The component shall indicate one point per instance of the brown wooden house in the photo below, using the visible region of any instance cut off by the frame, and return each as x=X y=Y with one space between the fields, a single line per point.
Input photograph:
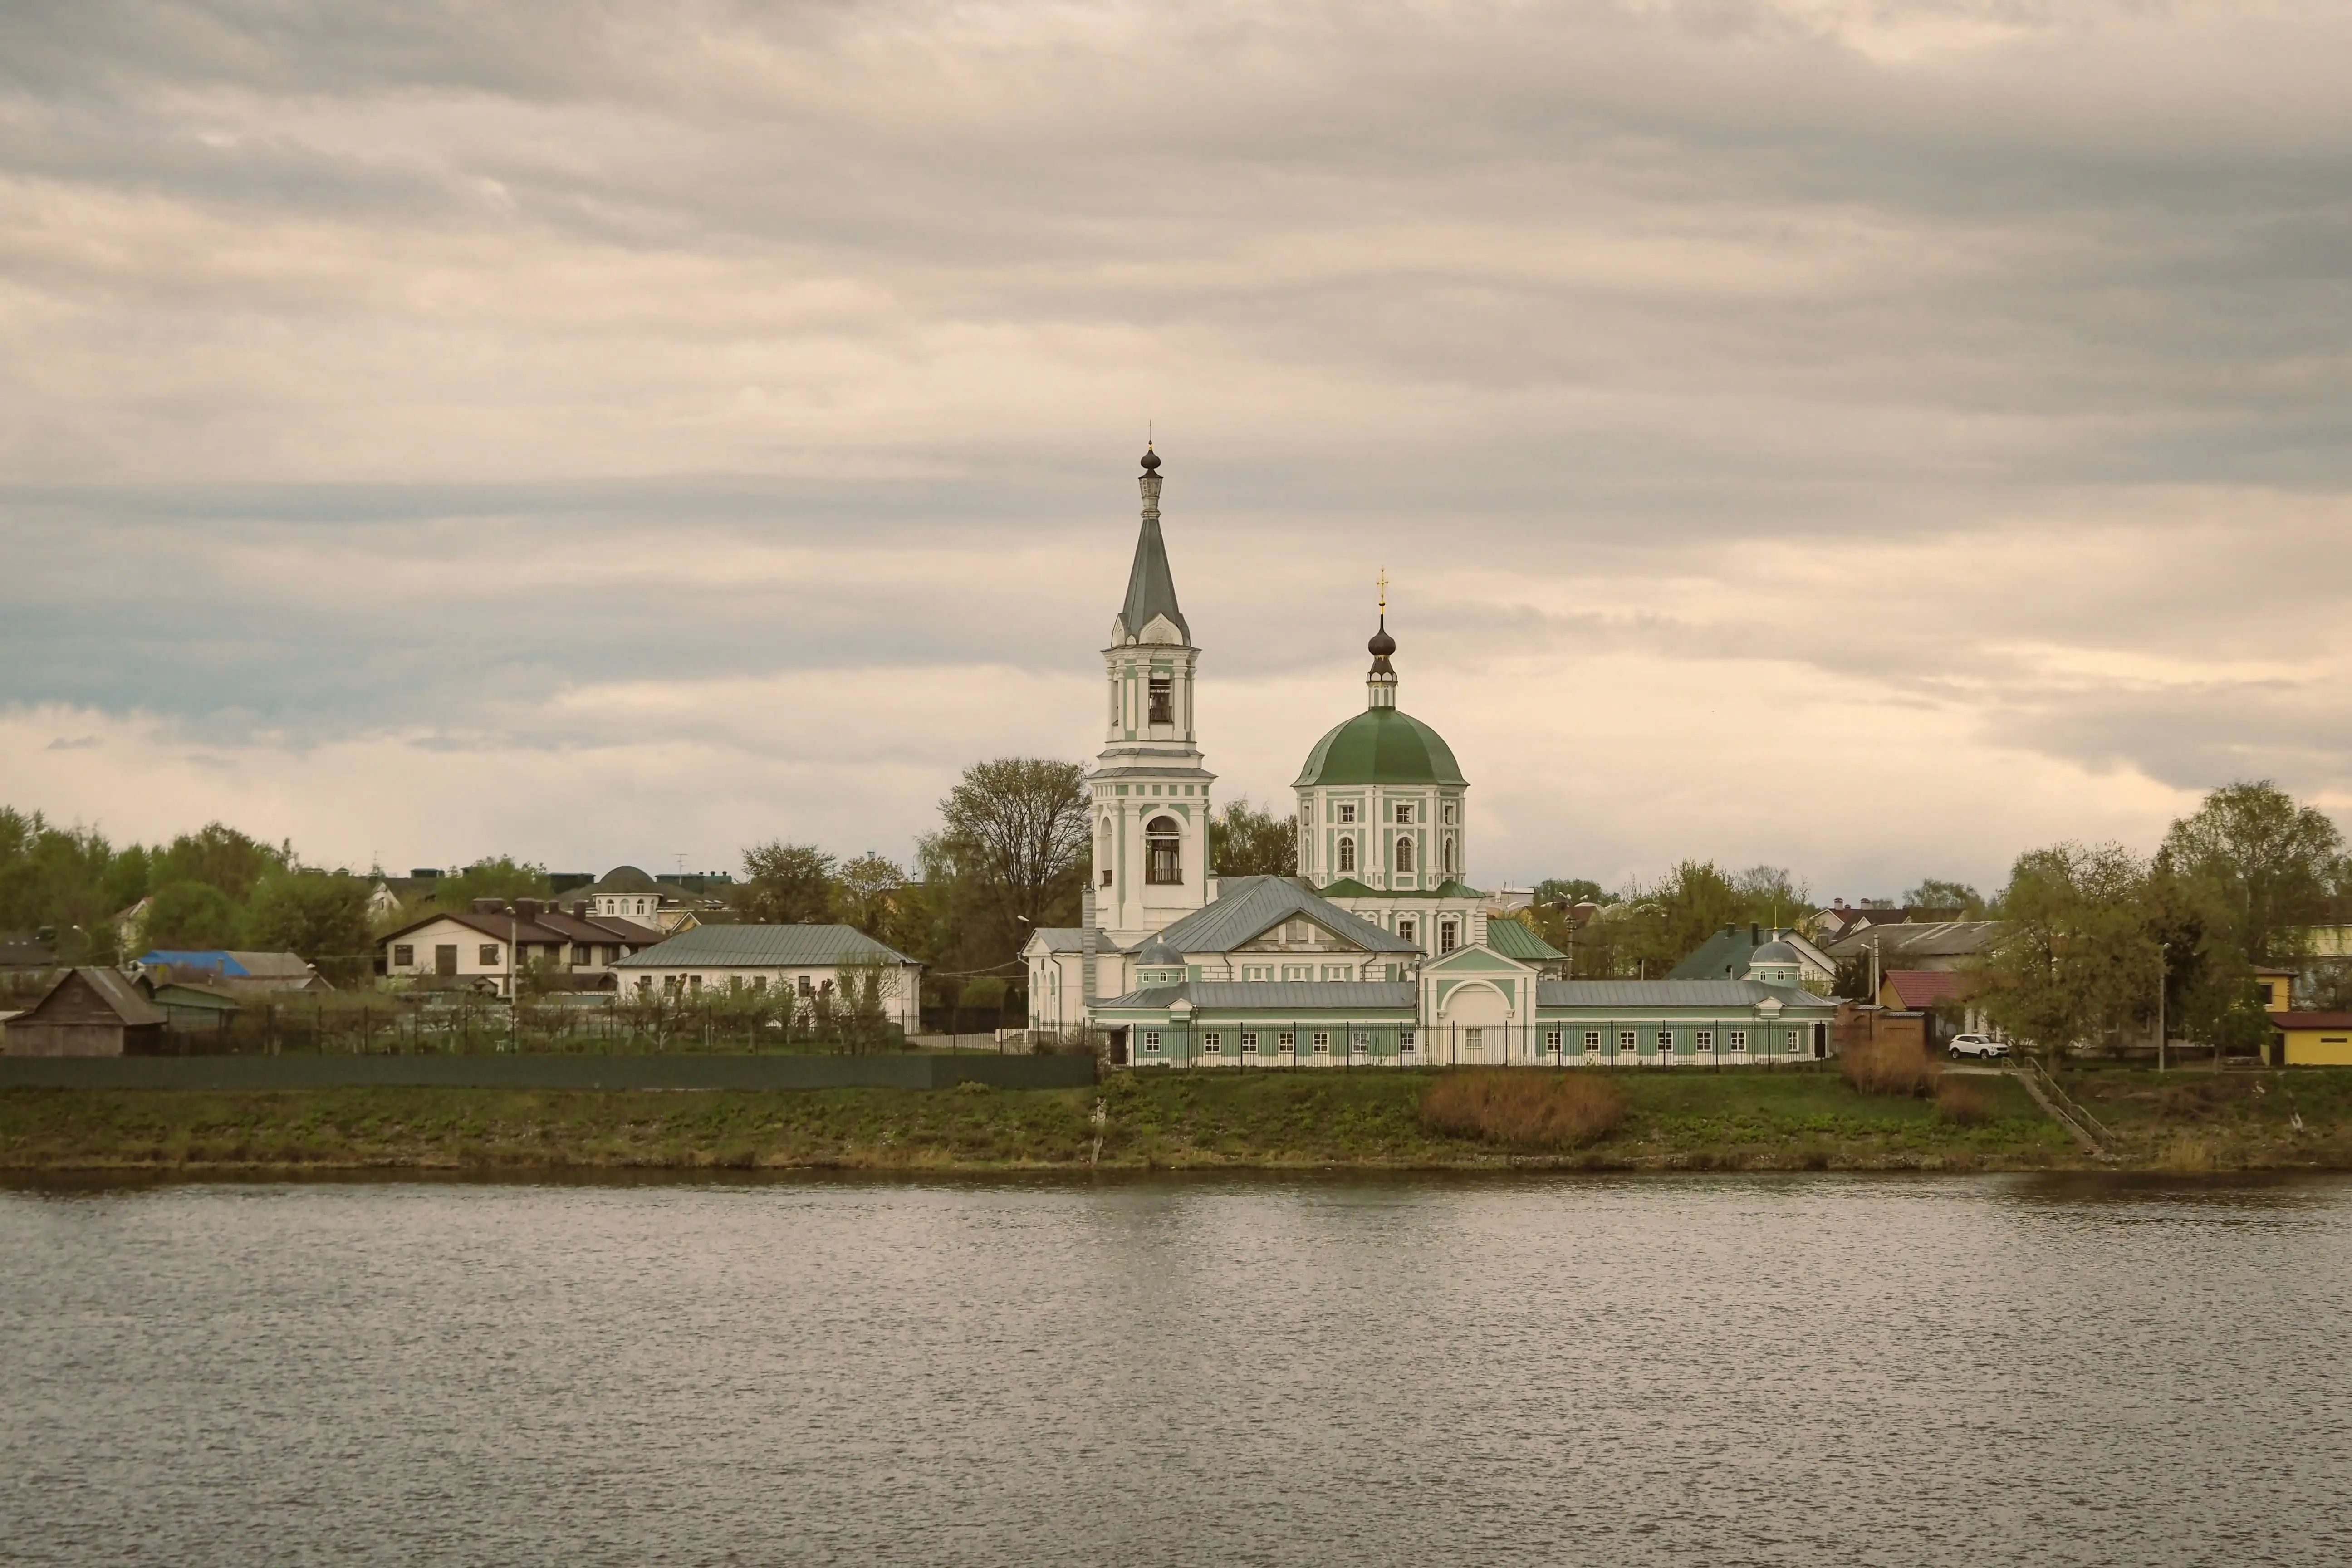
x=86 y=1013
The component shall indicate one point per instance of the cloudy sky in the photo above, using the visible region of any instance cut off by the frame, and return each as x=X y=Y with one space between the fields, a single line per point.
x=1865 y=438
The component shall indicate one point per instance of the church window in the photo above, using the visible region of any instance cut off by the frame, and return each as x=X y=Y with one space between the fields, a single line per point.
x=1404 y=854
x=1704 y=1040
x=1337 y=972
x=1150 y=1040
x=1449 y=855
x=1474 y=1039
x=1592 y=1040
x=1286 y=1041
x=1347 y=854
x=1213 y=1044
x=1449 y=811
x=1739 y=1039
x=1307 y=812
x=1162 y=865
x=1405 y=810
x=1163 y=700
x=1405 y=1038
x=1346 y=814
x=1405 y=929
x=1298 y=972
x=1322 y=1042
x=1362 y=1040
x=1553 y=1039
x=1625 y=1040
x=1448 y=936
x=1249 y=1042
x=1665 y=1039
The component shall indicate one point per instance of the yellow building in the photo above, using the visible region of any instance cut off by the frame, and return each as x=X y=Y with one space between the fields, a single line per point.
x=2303 y=1040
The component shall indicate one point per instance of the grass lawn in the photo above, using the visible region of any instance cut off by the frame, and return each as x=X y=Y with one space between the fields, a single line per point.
x=2194 y=1119
x=1686 y=1120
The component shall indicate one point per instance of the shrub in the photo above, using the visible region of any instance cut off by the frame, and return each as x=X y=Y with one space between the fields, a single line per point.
x=1891 y=1066
x=1523 y=1107
x=1962 y=1102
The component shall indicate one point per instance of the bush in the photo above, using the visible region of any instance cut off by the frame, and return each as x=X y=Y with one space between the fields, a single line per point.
x=1891 y=1066
x=1963 y=1104
x=1523 y=1107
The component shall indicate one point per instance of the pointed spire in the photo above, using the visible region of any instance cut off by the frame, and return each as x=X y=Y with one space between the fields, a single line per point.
x=1151 y=587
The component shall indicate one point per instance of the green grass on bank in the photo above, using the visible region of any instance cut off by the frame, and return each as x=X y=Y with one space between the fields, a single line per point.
x=2194 y=1119
x=1150 y=1120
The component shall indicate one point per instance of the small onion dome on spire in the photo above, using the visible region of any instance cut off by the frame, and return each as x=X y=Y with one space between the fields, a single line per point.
x=1150 y=458
x=1382 y=644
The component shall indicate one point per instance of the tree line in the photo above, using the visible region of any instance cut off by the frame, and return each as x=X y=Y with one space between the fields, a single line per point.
x=2093 y=934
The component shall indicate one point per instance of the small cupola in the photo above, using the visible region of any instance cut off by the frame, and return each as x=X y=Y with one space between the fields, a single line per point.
x=1157 y=963
x=1774 y=964
x=1380 y=686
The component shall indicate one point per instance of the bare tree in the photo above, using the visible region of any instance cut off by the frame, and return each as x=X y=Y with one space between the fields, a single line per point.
x=1015 y=831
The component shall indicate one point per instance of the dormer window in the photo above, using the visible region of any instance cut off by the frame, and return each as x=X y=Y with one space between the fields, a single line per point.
x=1163 y=699
x=1162 y=865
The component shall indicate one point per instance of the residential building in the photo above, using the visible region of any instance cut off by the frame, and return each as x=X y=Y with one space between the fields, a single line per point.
x=86 y=1013
x=625 y=892
x=1727 y=952
x=748 y=960
x=494 y=946
x=232 y=971
x=1937 y=944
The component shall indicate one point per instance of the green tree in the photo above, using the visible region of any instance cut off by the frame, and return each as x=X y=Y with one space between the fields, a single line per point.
x=56 y=877
x=1246 y=842
x=1936 y=893
x=1009 y=855
x=1569 y=891
x=321 y=915
x=218 y=857
x=873 y=893
x=2268 y=863
x=786 y=884
x=2074 y=962
x=189 y=915
x=499 y=877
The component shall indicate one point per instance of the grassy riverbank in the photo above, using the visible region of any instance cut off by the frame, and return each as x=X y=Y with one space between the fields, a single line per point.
x=1750 y=1120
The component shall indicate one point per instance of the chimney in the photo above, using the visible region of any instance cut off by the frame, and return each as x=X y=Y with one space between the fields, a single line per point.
x=580 y=908
x=1755 y=935
x=527 y=907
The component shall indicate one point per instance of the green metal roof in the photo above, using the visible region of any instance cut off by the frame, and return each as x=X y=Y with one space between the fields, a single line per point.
x=1381 y=746
x=1512 y=939
x=1350 y=888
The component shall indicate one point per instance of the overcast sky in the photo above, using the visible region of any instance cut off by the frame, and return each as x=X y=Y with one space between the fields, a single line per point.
x=1871 y=438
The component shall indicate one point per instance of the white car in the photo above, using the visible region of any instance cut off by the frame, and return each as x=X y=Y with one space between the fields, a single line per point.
x=1979 y=1045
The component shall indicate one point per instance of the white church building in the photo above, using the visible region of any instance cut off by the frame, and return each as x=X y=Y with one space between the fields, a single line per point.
x=1379 y=950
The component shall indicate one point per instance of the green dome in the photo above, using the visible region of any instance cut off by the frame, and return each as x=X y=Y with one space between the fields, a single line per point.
x=1381 y=746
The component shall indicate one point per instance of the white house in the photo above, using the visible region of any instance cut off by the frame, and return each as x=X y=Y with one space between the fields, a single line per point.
x=488 y=946
x=803 y=959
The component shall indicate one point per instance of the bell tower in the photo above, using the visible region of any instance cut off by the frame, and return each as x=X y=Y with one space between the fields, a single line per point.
x=1148 y=787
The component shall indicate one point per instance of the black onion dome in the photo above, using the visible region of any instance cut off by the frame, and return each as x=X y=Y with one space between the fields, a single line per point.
x=1382 y=644
x=1150 y=459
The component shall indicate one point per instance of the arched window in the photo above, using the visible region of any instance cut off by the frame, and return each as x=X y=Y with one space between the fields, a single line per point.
x=1347 y=856
x=1449 y=855
x=1405 y=854
x=1103 y=852
x=1161 y=841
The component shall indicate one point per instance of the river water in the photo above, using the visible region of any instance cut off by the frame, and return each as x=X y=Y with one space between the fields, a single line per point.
x=1801 y=1370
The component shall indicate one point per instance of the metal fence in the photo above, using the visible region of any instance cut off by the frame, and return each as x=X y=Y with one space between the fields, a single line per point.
x=1387 y=1042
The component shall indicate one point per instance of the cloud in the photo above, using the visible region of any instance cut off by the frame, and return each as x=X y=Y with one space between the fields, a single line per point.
x=418 y=391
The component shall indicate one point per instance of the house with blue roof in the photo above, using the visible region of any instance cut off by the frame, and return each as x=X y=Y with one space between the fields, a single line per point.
x=1380 y=950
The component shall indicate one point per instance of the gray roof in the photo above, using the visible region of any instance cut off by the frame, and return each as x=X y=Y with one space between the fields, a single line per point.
x=1073 y=939
x=629 y=881
x=762 y=947
x=1151 y=587
x=114 y=988
x=1247 y=907
x=1672 y=993
x=1943 y=939
x=1279 y=996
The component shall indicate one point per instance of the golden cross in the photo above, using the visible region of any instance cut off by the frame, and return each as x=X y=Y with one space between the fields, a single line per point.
x=1384 y=590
